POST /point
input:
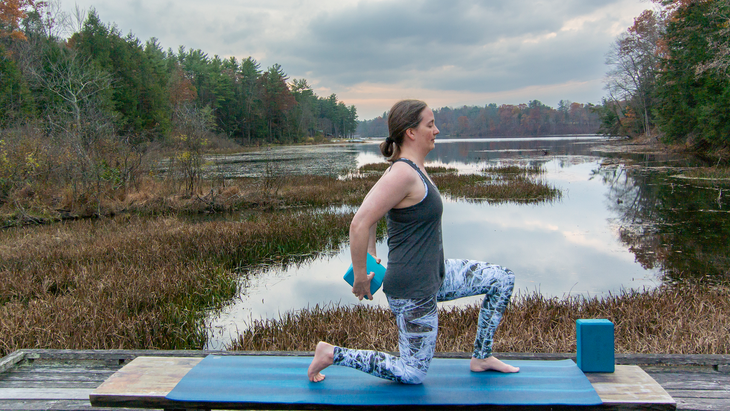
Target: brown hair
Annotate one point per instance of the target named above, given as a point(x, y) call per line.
point(403, 115)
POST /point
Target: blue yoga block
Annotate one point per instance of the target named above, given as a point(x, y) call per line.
point(595, 345)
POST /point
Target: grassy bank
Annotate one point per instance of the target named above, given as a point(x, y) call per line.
point(138, 282)
point(156, 196)
point(679, 320)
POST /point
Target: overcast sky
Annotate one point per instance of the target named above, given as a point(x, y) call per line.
point(372, 53)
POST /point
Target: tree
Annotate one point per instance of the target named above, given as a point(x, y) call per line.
point(250, 72)
point(12, 12)
point(719, 42)
point(138, 72)
point(73, 82)
point(16, 101)
point(191, 124)
point(692, 101)
point(276, 100)
point(303, 112)
point(634, 60)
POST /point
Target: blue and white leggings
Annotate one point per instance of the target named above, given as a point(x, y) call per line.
point(417, 322)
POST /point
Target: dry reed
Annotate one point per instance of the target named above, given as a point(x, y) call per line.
point(153, 196)
point(514, 169)
point(380, 167)
point(475, 187)
point(688, 319)
point(138, 283)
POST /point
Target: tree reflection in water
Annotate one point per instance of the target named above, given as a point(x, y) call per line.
point(679, 225)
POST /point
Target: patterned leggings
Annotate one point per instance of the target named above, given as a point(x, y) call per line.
point(417, 322)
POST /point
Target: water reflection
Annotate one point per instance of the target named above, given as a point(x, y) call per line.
point(679, 226)
point(331, 160)
point(574, 246)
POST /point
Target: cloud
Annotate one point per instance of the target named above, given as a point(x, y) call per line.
point(456, 51)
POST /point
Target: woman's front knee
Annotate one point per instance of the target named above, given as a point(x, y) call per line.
point(413, 378)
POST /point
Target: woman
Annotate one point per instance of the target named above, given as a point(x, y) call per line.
point(417, 275)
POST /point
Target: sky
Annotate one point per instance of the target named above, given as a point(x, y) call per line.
point(372, 53)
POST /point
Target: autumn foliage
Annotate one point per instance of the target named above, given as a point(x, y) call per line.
point(669, 76)
point(12, 12)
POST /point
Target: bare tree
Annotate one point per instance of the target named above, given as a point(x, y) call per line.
point(634, 59)
point(75, 80)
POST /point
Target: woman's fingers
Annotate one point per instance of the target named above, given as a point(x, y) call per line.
point(362, 289)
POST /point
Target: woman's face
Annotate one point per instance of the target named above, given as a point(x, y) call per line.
point(426, 131)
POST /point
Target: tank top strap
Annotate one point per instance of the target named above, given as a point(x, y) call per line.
point(420, 174)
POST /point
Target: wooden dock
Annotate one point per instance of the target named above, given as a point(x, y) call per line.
point(64, 379)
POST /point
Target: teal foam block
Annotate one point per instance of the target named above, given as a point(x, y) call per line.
point(372, 267)
point(268, 382)
point(595, 351)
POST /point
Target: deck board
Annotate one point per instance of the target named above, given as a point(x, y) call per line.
point(696, 382)
point(629, 384)
point(45, 393)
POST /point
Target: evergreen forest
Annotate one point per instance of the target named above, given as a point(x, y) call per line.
point(97, 82)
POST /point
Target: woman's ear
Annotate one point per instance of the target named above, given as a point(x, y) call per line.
point(410, 134)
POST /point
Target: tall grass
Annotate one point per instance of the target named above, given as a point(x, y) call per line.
point(687, 319)
point(138, 283)
point(475, 187)
point(381, 167)
point(513, 169)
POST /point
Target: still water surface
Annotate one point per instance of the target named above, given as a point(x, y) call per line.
point(588, 243)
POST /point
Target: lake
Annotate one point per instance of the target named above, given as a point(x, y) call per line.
point(620, 224)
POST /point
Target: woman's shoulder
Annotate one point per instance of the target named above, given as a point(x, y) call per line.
point(402, 169)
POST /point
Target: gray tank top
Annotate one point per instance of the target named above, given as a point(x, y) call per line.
point(415, 246)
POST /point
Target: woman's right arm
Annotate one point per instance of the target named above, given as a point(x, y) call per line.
point(394, 186)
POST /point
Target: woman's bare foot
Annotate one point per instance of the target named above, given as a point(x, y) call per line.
point(490, 363)
point(324, 354)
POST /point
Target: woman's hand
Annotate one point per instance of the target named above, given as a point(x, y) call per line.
point(362, 288)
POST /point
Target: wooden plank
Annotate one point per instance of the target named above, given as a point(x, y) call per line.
point(685, 381)
point(708, 394)
point(630, 385)
point(31, 377)
point(54, 405)
point(56, 384)
point(10, 360)
point(621, 359)
point(144, 382)
point(702, 404)
point(71, 365)
point(45, 393)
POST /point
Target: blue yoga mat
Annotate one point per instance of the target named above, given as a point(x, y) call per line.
point(270, 380)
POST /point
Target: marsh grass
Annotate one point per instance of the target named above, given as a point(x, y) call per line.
point(138, 282)
point(381, 167)
point(506, 170)
point(440, 170)
point(686, 319)
point(475, 187)
point(499, 184)
point(373, 167)
point(707, 173)
point(154, 197)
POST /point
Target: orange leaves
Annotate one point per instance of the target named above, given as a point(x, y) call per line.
point(11, 13)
